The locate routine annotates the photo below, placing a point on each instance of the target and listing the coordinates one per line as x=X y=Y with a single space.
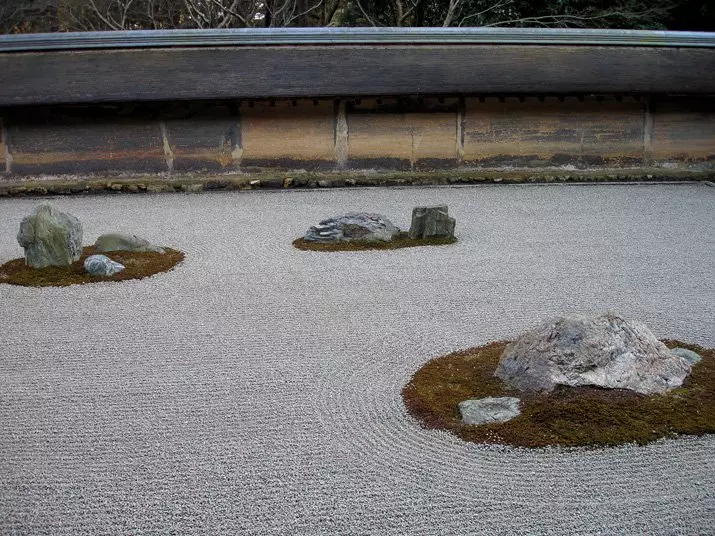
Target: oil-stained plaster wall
x=406 y=133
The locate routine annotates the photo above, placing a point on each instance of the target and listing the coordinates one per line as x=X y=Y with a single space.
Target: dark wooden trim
x=231 y=37
x=346 y=71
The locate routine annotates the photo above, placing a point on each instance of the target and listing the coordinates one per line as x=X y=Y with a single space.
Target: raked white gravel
x=255 y=389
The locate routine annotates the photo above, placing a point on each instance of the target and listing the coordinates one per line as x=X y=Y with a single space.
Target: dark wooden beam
x=52 y=77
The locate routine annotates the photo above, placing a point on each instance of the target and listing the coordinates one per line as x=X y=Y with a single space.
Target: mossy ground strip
x=137 y=266
x=567 y=416
x=402 y=241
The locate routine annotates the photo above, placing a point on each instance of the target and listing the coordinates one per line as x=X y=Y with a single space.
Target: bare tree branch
x=309 y=10
x=578 y=20
x=364 y=13
x=453 y=4
x=499 y=4
x=230 y=12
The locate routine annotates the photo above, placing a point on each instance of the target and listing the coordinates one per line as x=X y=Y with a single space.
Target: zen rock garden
x=54 y=255
x=572 y=380
x=431 y=225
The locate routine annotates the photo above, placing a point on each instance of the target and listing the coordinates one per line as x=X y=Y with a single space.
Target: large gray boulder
x=489 y=410
x=353 y=227
x=124 y=242
x=431 y=222
x=603 y=351
x=50 y=238
x=101 y=265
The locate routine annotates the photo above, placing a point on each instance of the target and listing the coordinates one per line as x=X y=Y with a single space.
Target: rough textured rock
x=353 y=227
x=690 y=356
x=124 y=242
x=50 y=238
x=603 y=351
x=488 y=410
x=101 y=265
x=431 y=222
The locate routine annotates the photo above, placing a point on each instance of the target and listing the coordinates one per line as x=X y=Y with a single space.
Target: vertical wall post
x=236 y=136
x=341 y=134
x=168 y=152
x=461 y=110
x=647 y=131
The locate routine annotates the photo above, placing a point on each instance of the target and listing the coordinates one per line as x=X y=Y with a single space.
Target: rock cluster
x=353 y=227
x=101 y=265
x=427 y=222
x=431 y=222
x=53 y=238
x=50 y=238
x=603 y=351
x=489 y=410
x=124 y=242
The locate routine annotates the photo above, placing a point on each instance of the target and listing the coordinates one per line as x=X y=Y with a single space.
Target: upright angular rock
x=124 y=242
x=50 y=238
x=431 y=222
x=603 y=351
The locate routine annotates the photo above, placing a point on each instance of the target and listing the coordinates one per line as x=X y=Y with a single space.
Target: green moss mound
x=567 y=416
x=137 y=266
x=401 y=241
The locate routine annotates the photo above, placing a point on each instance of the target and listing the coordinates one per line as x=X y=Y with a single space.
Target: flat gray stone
x=125 y=242
x=431 y=222
x=690 y=356
x=101 y=265
x=353 y=227
x=489 y=410
x=50 y=237
x=603 y=351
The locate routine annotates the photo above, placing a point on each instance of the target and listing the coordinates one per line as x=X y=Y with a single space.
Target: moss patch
x=137 y=266
x=402 y=241
x=567 y=416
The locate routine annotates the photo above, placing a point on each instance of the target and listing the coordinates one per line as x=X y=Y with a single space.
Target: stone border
x=72 y=185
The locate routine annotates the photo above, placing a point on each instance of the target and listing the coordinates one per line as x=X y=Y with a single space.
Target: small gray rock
x=603 y=351
x=101 y=265
x=489 y=410
x=124 y=242
x=690 y=356
x=50 y=238
x=353 y=227
x=431 y=222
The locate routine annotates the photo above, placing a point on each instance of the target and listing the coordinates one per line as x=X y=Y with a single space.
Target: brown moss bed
x=137 y=266
x=401 y=241
x=567 y=416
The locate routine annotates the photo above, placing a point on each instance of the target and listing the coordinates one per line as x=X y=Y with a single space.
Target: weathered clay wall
x=537 y=133
x=406 y=133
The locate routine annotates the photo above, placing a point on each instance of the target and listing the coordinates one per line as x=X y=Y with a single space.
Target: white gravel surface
x=255 y=389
